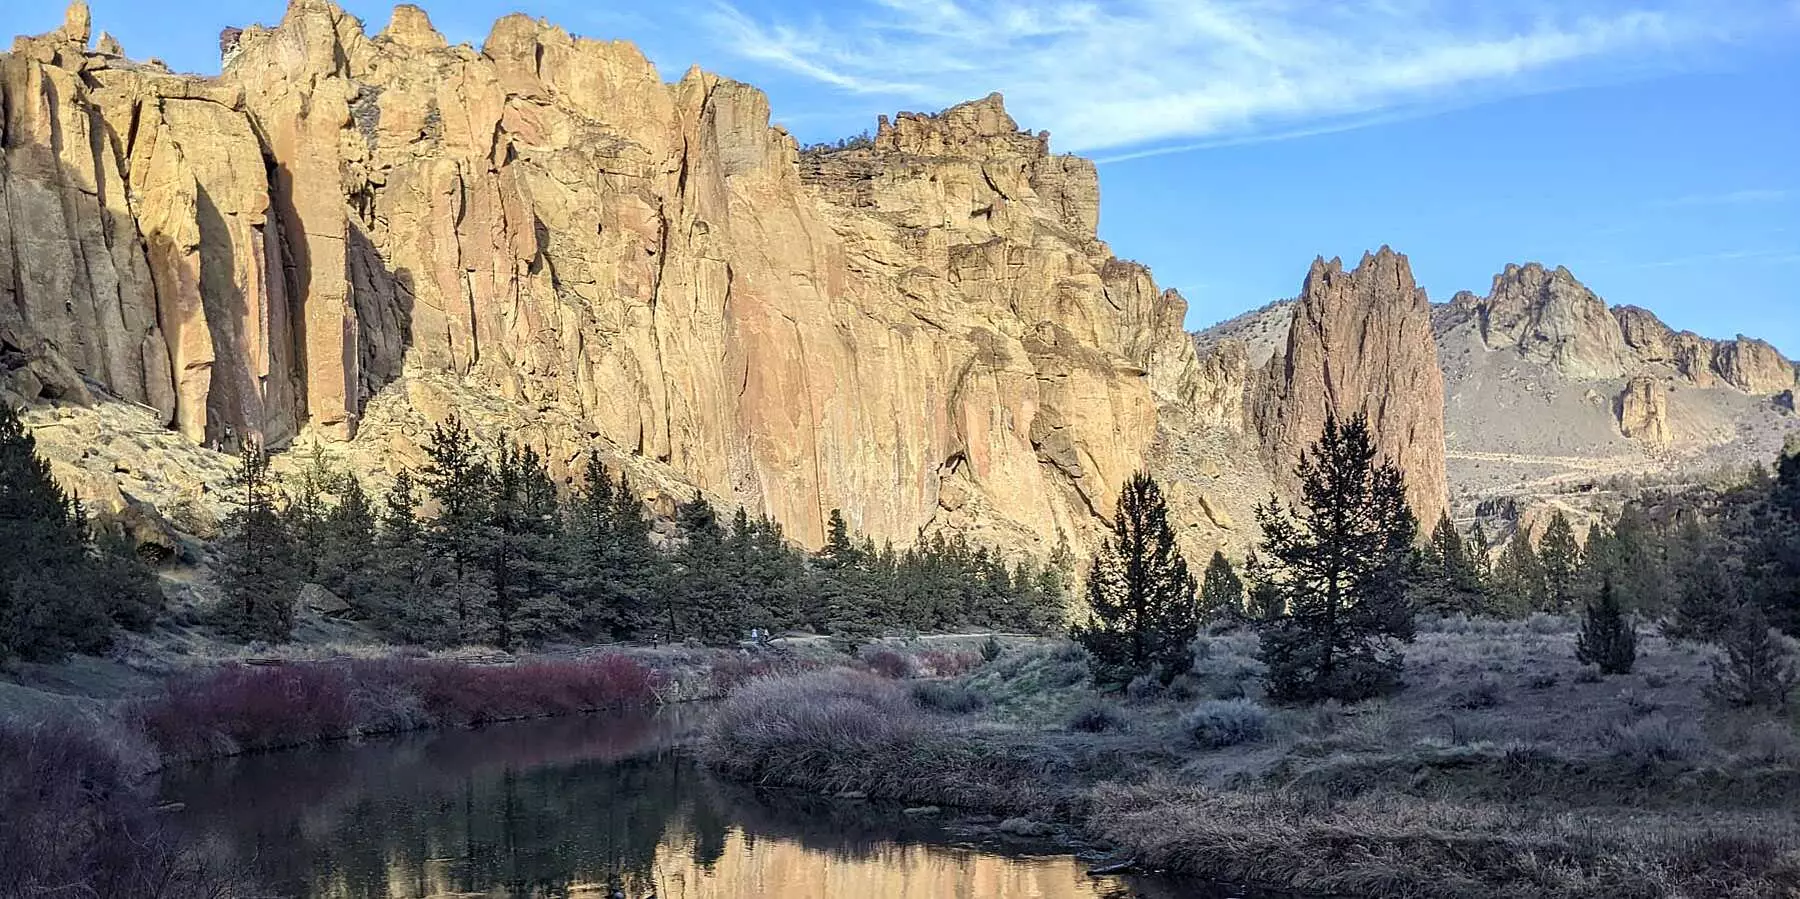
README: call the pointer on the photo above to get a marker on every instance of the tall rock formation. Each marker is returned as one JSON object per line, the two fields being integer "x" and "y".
{"x": 1554, "y": 320}
{"x": 1644, "y": 413}
{"x": 925, "y": 331}
{"x": 1361, "y": 341}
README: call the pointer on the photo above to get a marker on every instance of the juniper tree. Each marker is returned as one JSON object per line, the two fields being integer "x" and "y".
{"x": 1339, "y": 563}
{"x": 1142, "y": 608}
{"x": 613, "y": 567}
{"x": 254, "y": 559}
{"x": 1607, "y": 640}
{"x": 1221, "y": 590}
{"x": 1756, "y": 670}
{"x": 61, "y": 591}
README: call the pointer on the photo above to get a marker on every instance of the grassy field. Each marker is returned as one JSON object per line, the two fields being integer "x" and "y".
{"x": 1503, "y": 769}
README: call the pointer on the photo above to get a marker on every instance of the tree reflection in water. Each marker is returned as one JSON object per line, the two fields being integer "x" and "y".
{"x": 566, "y": 807}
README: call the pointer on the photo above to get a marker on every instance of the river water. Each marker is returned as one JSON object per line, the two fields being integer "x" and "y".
{"x": 568, "y": 807}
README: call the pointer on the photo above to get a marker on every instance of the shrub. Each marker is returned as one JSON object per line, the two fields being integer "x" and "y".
{"x": 991, "y": 649}
{"x": 944, "y": 663}
{"x": 1226, "y": 667}
{"x": 1144, "y": 688}
{"x": 1484, "y": 693}
{"x": 1653, "y": 739}
{"x": 1186, "y": 688}
{"x": 938, "y": 696}
{"x": 76, "y": 822}
{"x": 1218, "y": 723}
{"x": 1099, "y": 717}
{"x": 239, "y": 709}
{"x": 886, "y": 662}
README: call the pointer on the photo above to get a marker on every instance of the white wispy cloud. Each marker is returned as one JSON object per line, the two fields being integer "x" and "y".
{"x": 1130, "y": 75}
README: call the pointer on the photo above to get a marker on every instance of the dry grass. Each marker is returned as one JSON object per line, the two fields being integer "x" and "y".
{"x": 1499, "y": 771}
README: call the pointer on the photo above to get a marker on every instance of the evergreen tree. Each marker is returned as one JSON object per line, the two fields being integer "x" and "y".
{"x": 255, "y": 559}
{"x": 1519, "y": 578}
{"x": 1448, "y": 579}
{"x": 703, "y": 600}
{"x": 1770, "y": 535}
{"x": 844, "y": 590}
{"x": 60, "y": 591}
{"x": 1708, "y": 591}
{"x": 403, "y": 599}
{"x": 1050, "y": 607}
{"x": 520, "y": 540}
{"x": 1561, "y": 557}
{"x": 343, "y": 561}
{"x": 1340, "y": 565}
{"x": 1221, "y": 590}
{"x": 459, "y": 481}
{"x": 1608, "y": 639}
{"x": 1481, "y": 556}
{"x": 1756, "y": 670}
{"x": 770, "y": 573}
{"x": 1143, "y": 613}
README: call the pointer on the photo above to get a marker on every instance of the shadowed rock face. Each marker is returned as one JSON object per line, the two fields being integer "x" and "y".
{"x": 925, "y": 332}
{"x": 1361, "y": 341}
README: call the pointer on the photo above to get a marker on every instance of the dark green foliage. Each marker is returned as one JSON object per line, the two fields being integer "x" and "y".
{"x": 1221, "y": 590}
{"x": 521, "y": 542}
{"x": 991, "y": 649}
{"x": 1520, "y": 584}
{"x": 1562, "y": 562}
{"x": 703, "y": 599}
{"x": 1142, "y": 609}
{"x": 1608, "y": 640}
{"x": 1340, "y": 566}
{"x": 1708, "y": 590}
{"x": 61, "y": 591}
{"x": 458, "y": 479}
{"x": 1449, "y": 581}
{"x": 1756, "y": 670}
{"x": 1630, "y": 555}
{"x": 255, "y": 561}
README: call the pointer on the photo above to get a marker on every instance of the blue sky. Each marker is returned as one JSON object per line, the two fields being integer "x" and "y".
{"x": 1652, "y": 146}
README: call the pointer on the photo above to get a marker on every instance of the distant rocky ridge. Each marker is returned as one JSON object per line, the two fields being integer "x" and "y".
{"x": 345, "y": 239}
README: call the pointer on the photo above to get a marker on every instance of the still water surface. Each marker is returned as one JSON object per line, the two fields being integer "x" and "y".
{"x": 565, "y": 807}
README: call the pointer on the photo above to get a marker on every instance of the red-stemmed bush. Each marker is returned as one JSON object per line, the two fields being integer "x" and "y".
{"x": 239, "y": 709}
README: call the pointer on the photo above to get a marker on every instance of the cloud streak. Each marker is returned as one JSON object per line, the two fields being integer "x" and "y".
{"x": 1131, "y": 75}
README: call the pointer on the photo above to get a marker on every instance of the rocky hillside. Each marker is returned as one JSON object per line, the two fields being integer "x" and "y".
{"x": 1552, "y": 398}
{"x": 347, "y": 237}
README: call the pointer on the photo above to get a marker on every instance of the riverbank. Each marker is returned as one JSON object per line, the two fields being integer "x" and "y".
{"x": 1503, "y": 769}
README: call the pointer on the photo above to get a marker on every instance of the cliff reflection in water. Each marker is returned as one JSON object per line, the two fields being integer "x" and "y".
{"x": 559, "y": 808}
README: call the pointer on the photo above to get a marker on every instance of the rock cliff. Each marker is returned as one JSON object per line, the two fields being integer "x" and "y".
{"x": 350, "y": 235}
{"x": 1644, "y": 413}
{"x": 1361, "y": 341}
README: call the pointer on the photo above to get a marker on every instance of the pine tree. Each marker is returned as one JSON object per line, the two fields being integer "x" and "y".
{"x": 405, "y": 601}
{"x": 1560, "y": 554}
{"x": 1221, "y": 590}
{"x": 1608, "y": 640}
{"x": 1756, "y": 670}
{"x": 1050, "y": 601}
{"x": 60, "y": 590}
{"x": 703, "y": 601}
{"x": 255, "y": 560}
{"x": 1340, "y": 564}
{"x": 459, "y": 481}
{"x": 343, "y": 561}
{"x": 1519, "y": 577}
{"x": 844, "y": 594}
{"x": 521, "y": 541}
{"x": 1143, "y": 612}
{"x": 1448, "y": 580}
{"x": 1481, "y": 557}
{"x": 1708, "y": 590}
